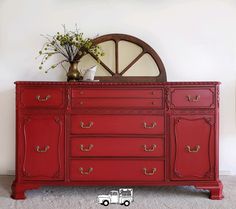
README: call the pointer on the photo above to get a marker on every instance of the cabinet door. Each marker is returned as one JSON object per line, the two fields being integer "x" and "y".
{"x": 42, "y": 145}
{"x": 192, "y": 147}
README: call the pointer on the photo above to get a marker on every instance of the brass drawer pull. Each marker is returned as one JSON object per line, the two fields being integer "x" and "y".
{"x": 86, "y": 149}
{"x": 42, "y": 150}
{"x": 193, "y": 99}
{"x": 85, "y": 172}
{"x": 149, "y": 173}
{"x": 194, "y": 149}
{"x": 82, "y": 125}
{"x": 38, "y": 97}
{"x": 152, "y": 126}
{"x": 151, "y": 149}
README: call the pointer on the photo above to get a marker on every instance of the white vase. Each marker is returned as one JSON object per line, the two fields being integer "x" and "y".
{"x": 90, "y": 73}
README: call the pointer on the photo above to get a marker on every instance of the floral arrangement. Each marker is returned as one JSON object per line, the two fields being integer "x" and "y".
{"x": 71, "y": 45}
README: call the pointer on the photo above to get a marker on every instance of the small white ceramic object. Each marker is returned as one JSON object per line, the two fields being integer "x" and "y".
{"x": 89, "y": 74}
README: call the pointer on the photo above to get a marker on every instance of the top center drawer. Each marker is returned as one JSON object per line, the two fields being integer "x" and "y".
{"x": 117, "y": 93}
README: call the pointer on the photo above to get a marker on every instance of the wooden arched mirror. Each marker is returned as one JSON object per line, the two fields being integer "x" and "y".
{"x": 127, "y": 59}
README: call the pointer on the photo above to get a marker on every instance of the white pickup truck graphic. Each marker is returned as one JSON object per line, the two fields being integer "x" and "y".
{"x": 123, "y": 197}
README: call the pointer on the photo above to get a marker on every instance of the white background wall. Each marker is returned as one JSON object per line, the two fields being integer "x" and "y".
{"x": 196, "y": 40}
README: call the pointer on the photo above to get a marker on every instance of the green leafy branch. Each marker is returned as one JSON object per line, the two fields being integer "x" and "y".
{"x": 70, "y": 44}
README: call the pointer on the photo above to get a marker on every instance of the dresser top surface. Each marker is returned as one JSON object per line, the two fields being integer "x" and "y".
{"x": 197, "y": 83}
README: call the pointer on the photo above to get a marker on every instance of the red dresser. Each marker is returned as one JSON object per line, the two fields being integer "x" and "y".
{"x": 125, "y": 134}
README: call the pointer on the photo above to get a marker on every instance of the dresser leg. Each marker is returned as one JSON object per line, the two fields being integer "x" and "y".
{"x": 18, "y": 190}
{"x": 215, "y": 190}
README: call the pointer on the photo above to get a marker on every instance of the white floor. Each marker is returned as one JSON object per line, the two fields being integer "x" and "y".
{"x": 145, "y": 197}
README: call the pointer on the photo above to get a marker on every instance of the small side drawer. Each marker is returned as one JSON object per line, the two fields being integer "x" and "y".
{"x": 42, "y": 97}
{"x": 117, "y": 124}
{"x": 117, "y": 147}
{"x": 192, "y": 98}
{"x": 116, "y": 170}
{"x": 117, "y": 93}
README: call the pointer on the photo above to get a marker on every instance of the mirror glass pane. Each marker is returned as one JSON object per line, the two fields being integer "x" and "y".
{"x": 145, "y": 66}
{"x": 109, "y": 58}
{"x": 127, "y": 53}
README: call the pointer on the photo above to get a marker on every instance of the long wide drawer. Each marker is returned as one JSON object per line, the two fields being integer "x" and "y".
{"x": 117, "y": 102}
{"x": 133, "y": 147}
{"x": 117, "y": 170}
{"x": 117, "y": 93}
{"x": 117, "y": 124}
